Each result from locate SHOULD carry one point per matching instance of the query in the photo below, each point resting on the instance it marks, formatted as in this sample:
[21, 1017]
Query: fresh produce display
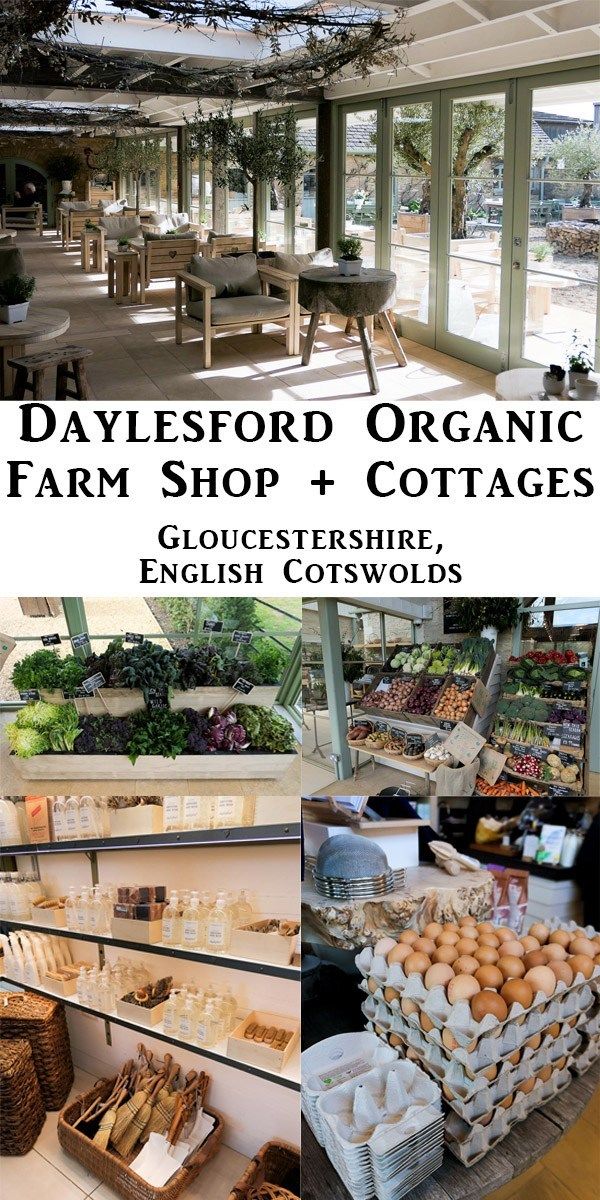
[42, 728]
[473, 655]
[565, 712]
[438, 754]
[455, 702]
[385, 742]
[425, 696]
[549, 770]
[504, 787]
[391, 700]
[358, 733]
[528, 676]
[412, 662]
[524, 708]
[544, 657]
[443, 660]
[520, 731]
[46, 670]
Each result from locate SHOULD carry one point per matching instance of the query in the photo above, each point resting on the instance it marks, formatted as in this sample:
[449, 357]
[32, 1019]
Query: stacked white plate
[404, 1146]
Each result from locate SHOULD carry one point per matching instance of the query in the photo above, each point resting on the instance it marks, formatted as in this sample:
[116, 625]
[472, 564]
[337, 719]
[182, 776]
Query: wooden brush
[126, 1143]
[127, 1112]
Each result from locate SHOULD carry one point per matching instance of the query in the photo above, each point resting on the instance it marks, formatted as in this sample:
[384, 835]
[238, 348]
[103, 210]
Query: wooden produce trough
[106, 702]
[203, 698]
[247, 765]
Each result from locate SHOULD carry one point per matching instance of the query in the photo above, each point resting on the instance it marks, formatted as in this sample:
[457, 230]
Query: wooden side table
[93, 249]
[123, 275]
[323, 289]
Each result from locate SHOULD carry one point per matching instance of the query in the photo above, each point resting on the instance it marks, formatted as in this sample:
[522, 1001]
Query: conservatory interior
[453, 147]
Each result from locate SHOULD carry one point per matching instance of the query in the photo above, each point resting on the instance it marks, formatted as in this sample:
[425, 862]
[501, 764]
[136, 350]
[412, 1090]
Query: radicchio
[226, 733]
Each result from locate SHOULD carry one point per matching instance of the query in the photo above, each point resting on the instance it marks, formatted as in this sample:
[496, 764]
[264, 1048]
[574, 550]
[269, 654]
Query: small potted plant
[15, 293]
[554, 380]
[349, 255]
[123, 243]
[580, 361]
[91, 228]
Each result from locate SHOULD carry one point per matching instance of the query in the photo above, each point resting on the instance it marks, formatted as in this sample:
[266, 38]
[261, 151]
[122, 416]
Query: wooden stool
[38, 364]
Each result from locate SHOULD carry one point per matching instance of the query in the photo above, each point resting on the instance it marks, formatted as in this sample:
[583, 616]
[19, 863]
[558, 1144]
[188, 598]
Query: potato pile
[392, 700]
[489, 966]
[454, 704]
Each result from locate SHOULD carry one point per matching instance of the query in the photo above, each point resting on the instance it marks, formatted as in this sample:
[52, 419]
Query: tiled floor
[135, 356]
[48, 1172]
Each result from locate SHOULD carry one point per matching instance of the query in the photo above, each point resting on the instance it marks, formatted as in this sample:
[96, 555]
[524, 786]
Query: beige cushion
[112, 207]
[233, 309]
[120, 226]
[294, 263]
[230, 275]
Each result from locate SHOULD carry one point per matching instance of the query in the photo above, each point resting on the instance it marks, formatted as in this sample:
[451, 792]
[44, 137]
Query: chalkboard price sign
[135, 639]
[51, 639]
[93, 682]
[448, 725]
[243, 686]
[157, 698]
[30, 694]
[242, 637]
[212, 626]
[571, 734]
[79, 640]
[381, 726]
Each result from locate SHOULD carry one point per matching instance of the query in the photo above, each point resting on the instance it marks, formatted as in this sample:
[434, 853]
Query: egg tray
[591, 1027]
[490, 1048]
[457, 1017]
[444, 1066]
[587, 1054]
[470, 1143]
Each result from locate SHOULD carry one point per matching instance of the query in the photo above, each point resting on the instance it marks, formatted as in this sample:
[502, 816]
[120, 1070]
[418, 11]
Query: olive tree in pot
[133, 156]
[15, 293]
[349, 255]
[63, 168]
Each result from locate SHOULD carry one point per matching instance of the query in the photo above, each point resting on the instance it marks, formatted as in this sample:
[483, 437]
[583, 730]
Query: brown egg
[447, 938]
[560, 937]
[554, 953]
[445, 954]
[490, 1072]
[468, 921]
[529, 943]
[412, 1055]
[399, 953]
[582, 945]
[372, 985]
[424, 946]
[380, 1031]
[517, 991]
[560, 1063]
[408, 1007]
[596, 941]
[504, 934]
[432, 930]
[408, 936]
[486, 1119]
[572, 1021]
[462, 987]
[514, 1058]
[489, 977]
[508, 1100]
[542, 979]
[511, 967]
[544, 1073]
[485, 927]
[486, 955]
[597, 960]
[513, 949]
[489, 939]
[447, 1092]
[552, 1030]
[465, 965]
[426, 1024]
[534, 1042]
[581, 962]
[438, 975]
[539, 931]
[526, 1086]
[450, 927]
[449, 1040]
[395, 1040]
[488, 1003]
[390, 994]
[535, 958]
[466, 946]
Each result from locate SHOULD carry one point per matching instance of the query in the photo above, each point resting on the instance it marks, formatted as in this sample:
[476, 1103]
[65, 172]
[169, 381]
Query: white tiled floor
[47, 1173]
[135, 356]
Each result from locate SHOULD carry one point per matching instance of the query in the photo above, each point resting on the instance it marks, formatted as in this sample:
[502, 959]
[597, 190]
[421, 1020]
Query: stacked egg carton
[384, 1131]
[334, 1061]
[496, 1058]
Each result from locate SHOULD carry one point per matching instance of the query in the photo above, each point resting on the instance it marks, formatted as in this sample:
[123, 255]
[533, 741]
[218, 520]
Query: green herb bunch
[158, 732]
[45, 670]
[266, 729]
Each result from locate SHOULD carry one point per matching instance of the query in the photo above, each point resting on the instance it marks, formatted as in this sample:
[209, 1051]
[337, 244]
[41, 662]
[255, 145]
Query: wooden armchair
[235, 312]
[72, 223]
[164, 257]
[28, 216]
[226, 243]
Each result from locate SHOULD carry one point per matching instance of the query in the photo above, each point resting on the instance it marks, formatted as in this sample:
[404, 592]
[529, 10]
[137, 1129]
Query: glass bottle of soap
[83, 910]
[244, 912]
[206, 1025]
[186, 1020]
[171, 922]
[59, 818]
[89, 817]
[71, 910]
[97, 912]
[218, 926]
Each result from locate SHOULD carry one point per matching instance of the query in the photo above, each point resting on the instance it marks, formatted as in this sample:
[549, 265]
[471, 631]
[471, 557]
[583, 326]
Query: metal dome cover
[348, 856]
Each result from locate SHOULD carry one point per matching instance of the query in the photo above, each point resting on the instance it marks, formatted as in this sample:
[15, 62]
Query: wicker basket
[21, 1104]
[43, 1024]
[114, 1170]
[266, 1175]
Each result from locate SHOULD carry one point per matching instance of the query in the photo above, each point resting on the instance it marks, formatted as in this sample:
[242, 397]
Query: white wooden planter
[203, 698]
[154, 767]
[107, 702]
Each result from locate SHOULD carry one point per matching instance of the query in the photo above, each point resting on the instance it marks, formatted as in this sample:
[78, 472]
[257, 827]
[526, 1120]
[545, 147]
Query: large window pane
[360, 202]
[305, 197]
[476, 215]
[564, 222]
[411, 208]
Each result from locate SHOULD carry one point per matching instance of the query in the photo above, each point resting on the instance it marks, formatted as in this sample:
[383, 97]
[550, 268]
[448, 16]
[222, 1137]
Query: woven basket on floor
[266, 1175]
[114, 1170]
[22, 1111]
[43, 1024]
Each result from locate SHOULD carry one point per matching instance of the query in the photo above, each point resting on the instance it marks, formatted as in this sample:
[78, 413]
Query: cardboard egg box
[457, 1018]
[470, 1143]
[463, 1080]
[591, 1025]
[587, 1054]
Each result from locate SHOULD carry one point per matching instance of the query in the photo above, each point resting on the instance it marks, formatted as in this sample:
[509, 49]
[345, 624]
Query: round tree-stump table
[324, 290]
[40, 325]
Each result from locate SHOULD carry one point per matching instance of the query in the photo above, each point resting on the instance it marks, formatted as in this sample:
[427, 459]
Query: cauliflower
[554, 761]
[26, 743]
[569, 774]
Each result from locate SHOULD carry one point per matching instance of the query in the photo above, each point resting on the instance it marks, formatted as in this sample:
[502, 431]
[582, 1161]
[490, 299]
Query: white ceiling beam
[543, 21]
[474, 9]
[149, 38]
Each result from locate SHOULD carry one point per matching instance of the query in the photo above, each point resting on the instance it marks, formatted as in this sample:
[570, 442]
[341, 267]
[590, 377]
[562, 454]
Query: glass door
[412, 214]
[359, 180]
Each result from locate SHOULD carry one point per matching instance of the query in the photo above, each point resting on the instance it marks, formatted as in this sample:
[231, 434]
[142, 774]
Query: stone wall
[40, 150]
[579, 238]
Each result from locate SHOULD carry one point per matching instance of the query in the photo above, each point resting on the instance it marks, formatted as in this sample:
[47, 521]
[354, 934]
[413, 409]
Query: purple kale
[199, 733]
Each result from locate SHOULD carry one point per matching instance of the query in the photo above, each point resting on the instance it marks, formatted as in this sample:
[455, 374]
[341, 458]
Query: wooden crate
[54, 918]
[127, 929]
[201, 699]
[154, 767]
[256, 1053]
[142, 1016]
[112, 702]
[262, 947]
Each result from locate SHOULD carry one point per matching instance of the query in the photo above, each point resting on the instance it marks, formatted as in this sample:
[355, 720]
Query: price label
[383, 686]
[480, 700]
[79, 640]
[242, 637]
[157, 698]
[212, 626]
[78, 693]
[556, 789]
[244, 686]
[381, 726]
[135, 639]
[51, 639]
[491, 764]
[30, 694]
[570, 734]
[447, 725]
[572, 687]
[93, 682]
